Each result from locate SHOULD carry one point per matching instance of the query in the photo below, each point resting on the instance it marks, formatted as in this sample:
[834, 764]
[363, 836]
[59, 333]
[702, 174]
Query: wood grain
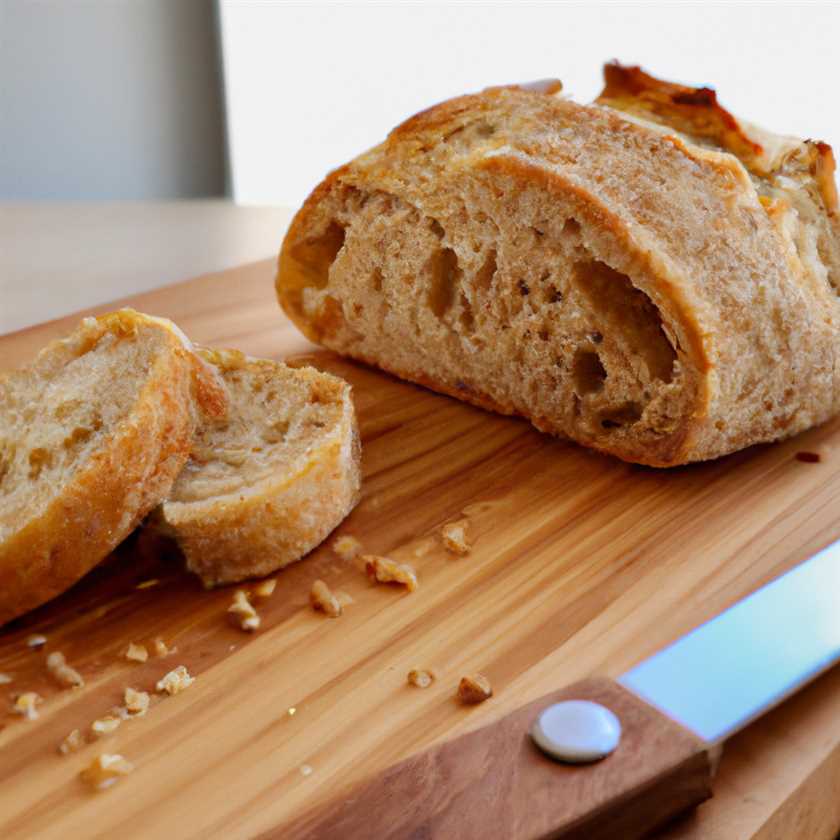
[494, 782]
[581, 565]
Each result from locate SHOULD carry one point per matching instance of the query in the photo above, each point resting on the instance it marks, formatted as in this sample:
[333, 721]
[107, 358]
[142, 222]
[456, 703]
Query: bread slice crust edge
[108, 496]
[280, 519]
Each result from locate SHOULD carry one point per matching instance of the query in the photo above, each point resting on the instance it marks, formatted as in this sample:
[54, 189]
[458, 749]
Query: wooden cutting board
[581, 565]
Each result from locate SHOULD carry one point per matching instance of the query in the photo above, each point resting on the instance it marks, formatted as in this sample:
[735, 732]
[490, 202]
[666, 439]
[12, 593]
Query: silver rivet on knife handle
[576, 731]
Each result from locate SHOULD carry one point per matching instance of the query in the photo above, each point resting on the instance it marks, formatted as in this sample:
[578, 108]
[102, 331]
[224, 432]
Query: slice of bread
[92, 436]
[268, 483]
[647, 275]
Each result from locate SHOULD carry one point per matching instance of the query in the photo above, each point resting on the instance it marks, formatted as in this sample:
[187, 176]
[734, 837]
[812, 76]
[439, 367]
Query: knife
[633, 753]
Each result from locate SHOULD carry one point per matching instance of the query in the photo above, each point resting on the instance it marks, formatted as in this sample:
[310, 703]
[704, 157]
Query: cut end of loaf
[506, 301]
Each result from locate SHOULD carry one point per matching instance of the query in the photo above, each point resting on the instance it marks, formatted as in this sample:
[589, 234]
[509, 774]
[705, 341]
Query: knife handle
[494, 782]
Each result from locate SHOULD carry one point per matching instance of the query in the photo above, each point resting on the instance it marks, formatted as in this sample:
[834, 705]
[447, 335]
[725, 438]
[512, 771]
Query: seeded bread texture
[645, 275]
[92, 436]
[268, 482]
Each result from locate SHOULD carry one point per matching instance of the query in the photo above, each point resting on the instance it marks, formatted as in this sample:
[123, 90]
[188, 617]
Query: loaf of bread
[268, 482]
[647, 275]
[92, 437]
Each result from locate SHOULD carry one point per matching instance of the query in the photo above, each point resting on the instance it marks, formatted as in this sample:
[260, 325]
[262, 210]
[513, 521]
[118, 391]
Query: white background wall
[311, 85]
[110, 99]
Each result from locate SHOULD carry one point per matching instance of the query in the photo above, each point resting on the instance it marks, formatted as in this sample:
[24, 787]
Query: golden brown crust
[697, 113]
[756, 359]
[110, 494]
[824, 167]
[296, 271]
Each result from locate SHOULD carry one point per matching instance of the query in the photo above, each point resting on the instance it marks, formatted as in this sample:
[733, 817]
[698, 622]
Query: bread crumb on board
[175, 681]
[74, 741]
[105, 770]
[62, 672]
[323, 600]
[136, 653]
[474, 688]
[25, 705]
[242, 612]
[136, 702]
[105, 725]
[808, 457]
[421, 677]
[454, 536]
[347, 548]
[386, 570]
[306, 770]
[264, 589]
[161, 648]
[5, 679]
[36, 640]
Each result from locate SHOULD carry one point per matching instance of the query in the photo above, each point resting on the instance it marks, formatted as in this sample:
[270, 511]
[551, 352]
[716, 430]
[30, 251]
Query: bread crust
[754, 329]
[117, 486]
[266, 527]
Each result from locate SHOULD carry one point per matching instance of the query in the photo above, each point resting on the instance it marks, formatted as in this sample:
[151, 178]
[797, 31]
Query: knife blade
[725, 673]
[674, 710]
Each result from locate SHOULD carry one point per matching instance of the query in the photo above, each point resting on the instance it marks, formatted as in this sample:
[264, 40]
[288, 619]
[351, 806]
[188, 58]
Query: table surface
[55, 259]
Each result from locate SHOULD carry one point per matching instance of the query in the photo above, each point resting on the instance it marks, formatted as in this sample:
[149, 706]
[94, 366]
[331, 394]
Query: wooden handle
[494, 782]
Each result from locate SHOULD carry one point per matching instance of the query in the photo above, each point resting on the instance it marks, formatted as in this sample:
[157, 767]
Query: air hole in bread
[571, 229]
[79, 435]
[466, 316]
[376, 279]
[330, 317]
[627, 311]
[313, 257]
[624, 415]
[39, 459]
[276, 432]
[445, 279]
[485, 129]
[7, 454]
[551, 294]
[318, 395]
[484, 276]
[588, 372]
